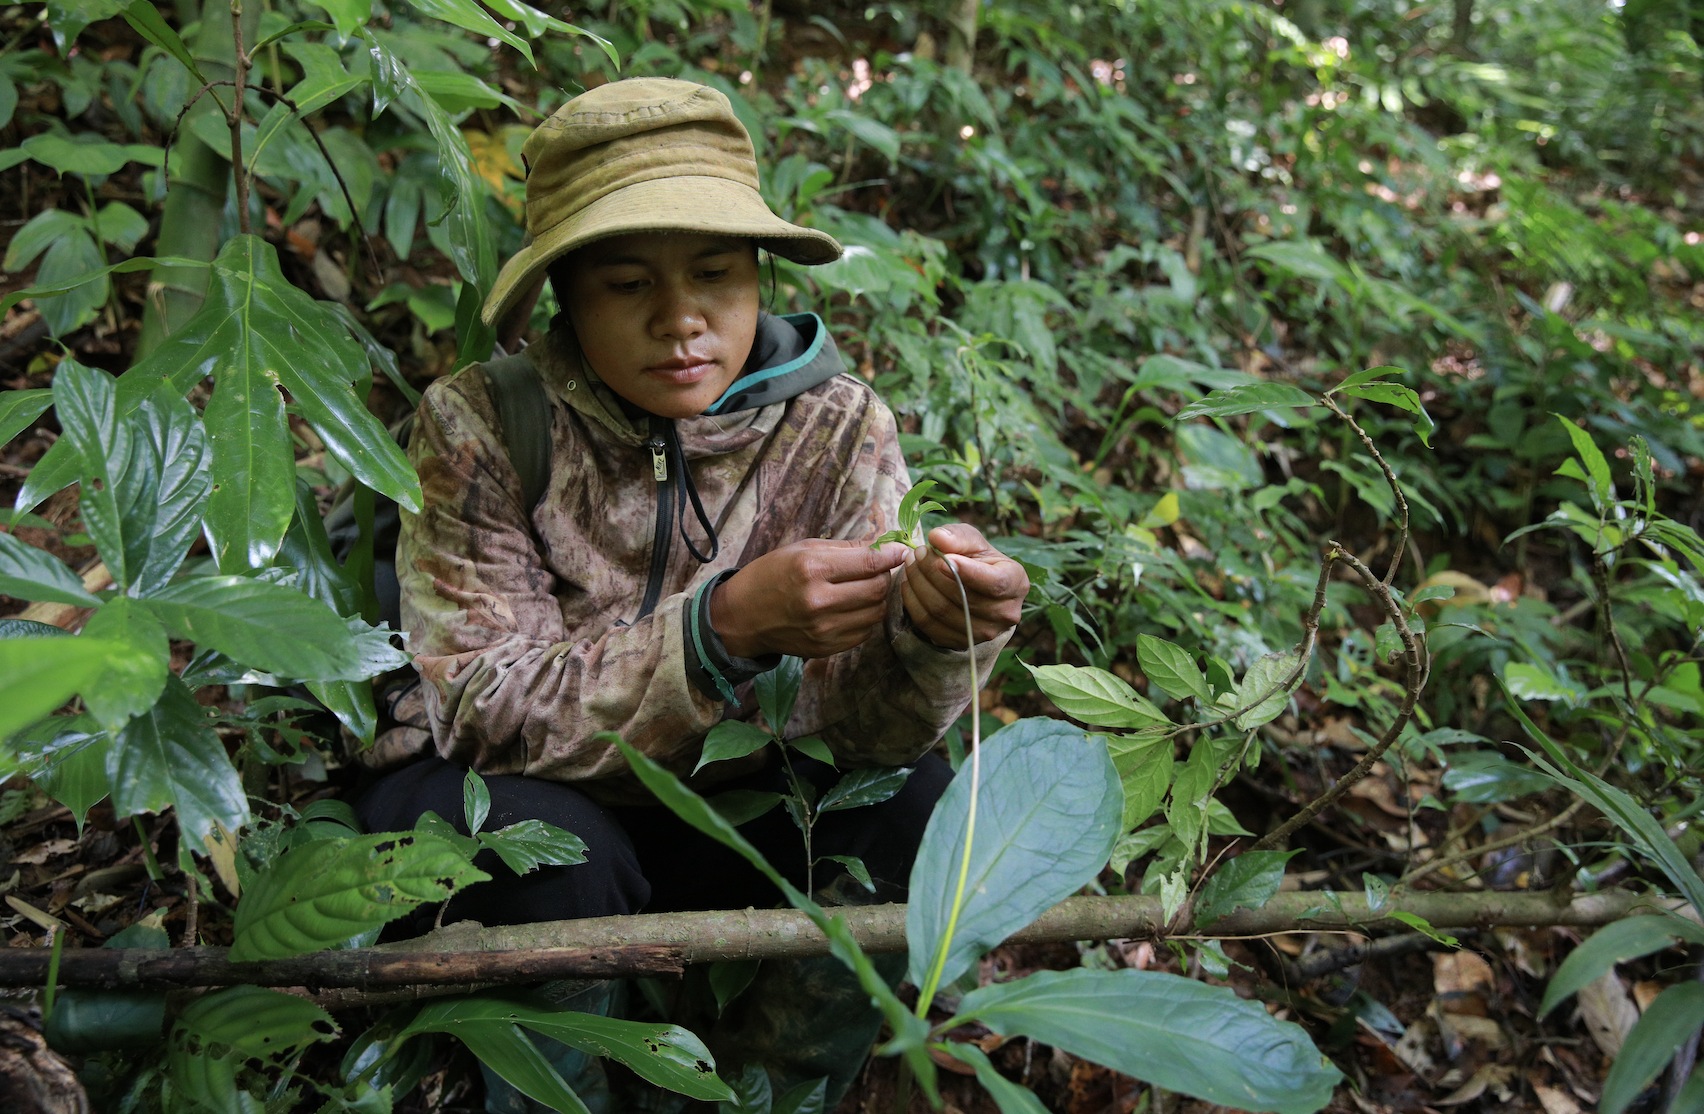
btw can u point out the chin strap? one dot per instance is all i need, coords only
(677, 461)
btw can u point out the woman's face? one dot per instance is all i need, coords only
(666, 319)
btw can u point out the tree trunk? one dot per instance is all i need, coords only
(961, 36)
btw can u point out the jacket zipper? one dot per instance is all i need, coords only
(662, 540)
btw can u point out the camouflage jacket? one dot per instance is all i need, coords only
(536, 630)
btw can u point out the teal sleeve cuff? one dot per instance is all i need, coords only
(709, 666)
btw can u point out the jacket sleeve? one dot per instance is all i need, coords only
(888, 701)
(507, 688)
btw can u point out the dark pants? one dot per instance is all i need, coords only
(647, 859)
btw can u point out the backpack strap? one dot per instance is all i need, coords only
(523, 411)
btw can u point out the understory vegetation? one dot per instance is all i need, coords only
(1336, 372)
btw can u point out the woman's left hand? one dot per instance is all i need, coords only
(995, 584)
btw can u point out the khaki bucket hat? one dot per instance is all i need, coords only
(643, 155)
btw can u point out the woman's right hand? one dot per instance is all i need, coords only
(811, 599)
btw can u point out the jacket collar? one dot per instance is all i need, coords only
(790, 355)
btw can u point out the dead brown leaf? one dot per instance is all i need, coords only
(1608, 1012)
(1555, 1100)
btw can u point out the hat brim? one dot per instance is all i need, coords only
(685, 203)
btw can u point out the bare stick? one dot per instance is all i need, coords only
(659, 943)
(1552, 824)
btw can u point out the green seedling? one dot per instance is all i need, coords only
(911, 510)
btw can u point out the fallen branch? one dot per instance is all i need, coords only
(463, 954)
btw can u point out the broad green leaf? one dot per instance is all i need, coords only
(87, 153)
(742, 806)
(49, 290)
(20, 409)
(530, 844)
(268, 626)
(169, 756)
(460, 187)
(1433, 592)
(855, 867)
(146, 19)
(1423, 927)
(37, 675)
(813, 747)
(1246, 399)
(732, 738)
(1095, 696)
(1617, 942)
(1367, 376)
(869, 786)
(1534, 682)
(66, 757)
(1010, 1097)
(348, 15)
(1192, 789)
(1480, 777)
(470, 16)
(1048, 814)
(753, 1093)
(84, 400)
(777, 692)
(1268, 673)
(134, 680)
(67, 18)
(728, 980)
(1306, 258)
(809, 1097)
(1172, 668)
(42, 232)
(74, 263)
(1144, 768)
(666, 1055)
(28, 573)
(1133, 846)
(1665, 1025)
(1166, 1030)
(458, 92)
(1598, 481)
(321, 893)
(255, 334)
(1245, 882)
(307, 549)
(476, 802)
(218, 1034)
(1394, 394)
(502, 1047)
(122, 226)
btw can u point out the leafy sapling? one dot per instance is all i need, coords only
(777, 692)
(524, 846)
(911, 511)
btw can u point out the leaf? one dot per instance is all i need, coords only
(471, 17)
(1433, 592)
(1482, 777)
(132, 680)
(1010, 1097)
(257, 333)
(1666, 1024)
(1144, 769)
(1171, 668)
(87, 153)
(217, 1035)
(777, 692)
(169, 756)
(809, 1097)
(1246, 399)
(1166, 1030)
(1534, 682)
(321, 893)
(752, 1093)
(813, 747)
(71, 767)
(37, 675)
(855, 867)
(271, 627)
(1048, 807)
(742, 806)
(1367, 376)
(730, 739)
(666, 1055)
(530, 844)
(870, 786)
(20, 409)
(1268, 673)
(1598, 479)
(1378, 892)
(1245, 882)
(476, 802)
(146, 19)
(1617, 942)
(1423, 927)
(1095, 696)
(28, 573)
(728, 980)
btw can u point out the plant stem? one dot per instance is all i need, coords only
(926, 994)
(58, 942)
(153, 864)
(239, 172)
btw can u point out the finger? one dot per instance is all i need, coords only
(997, 578)
(846, 596)
(961, 538)
(929, 624)
(856, 562)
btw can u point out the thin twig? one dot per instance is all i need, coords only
(1398, 550)
(1414, 682)
(1495, 845)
